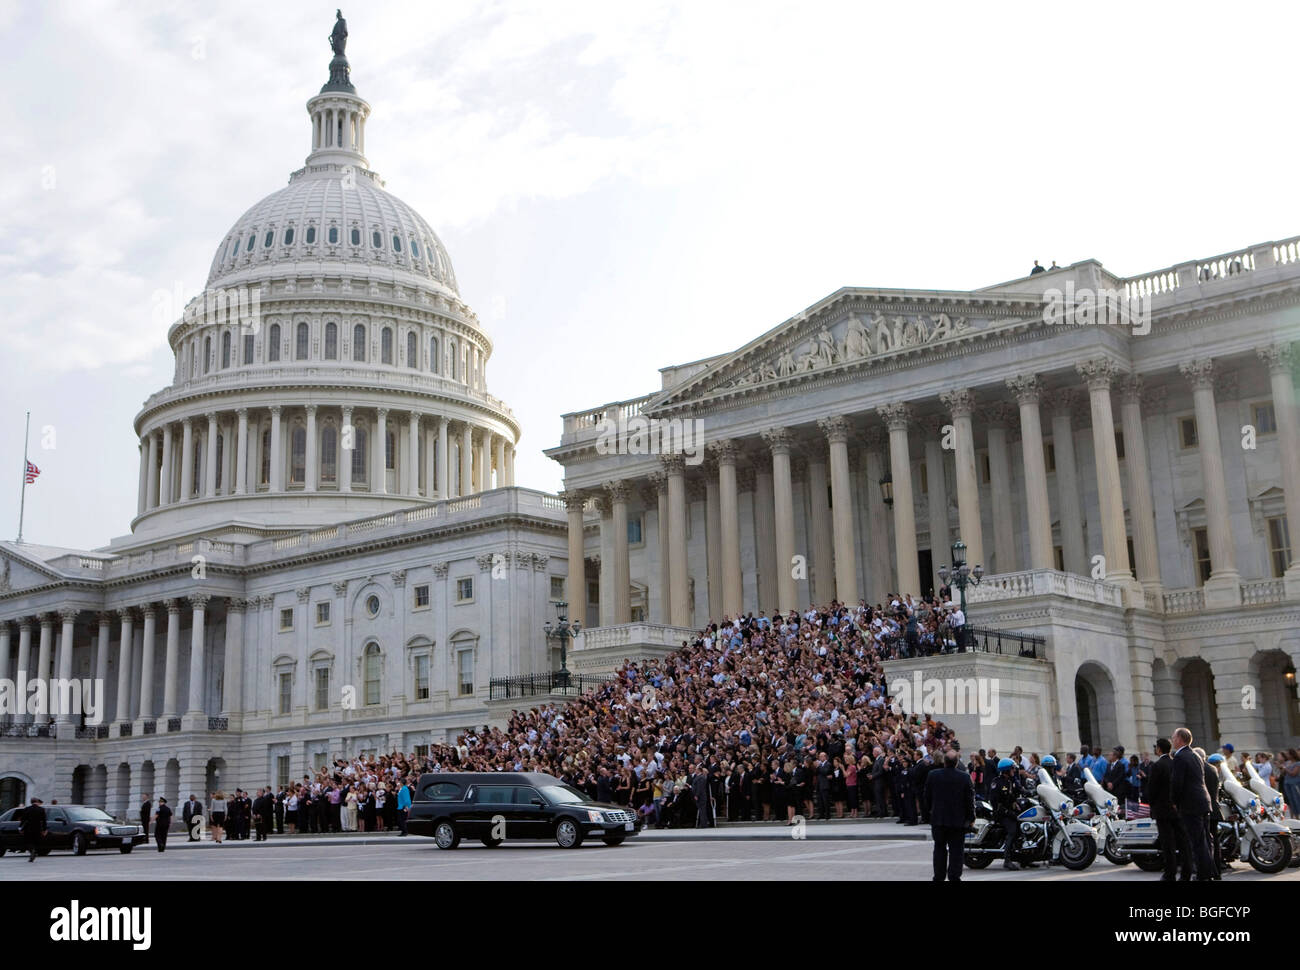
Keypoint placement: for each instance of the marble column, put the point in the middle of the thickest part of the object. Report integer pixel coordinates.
(23, 663)
(499, 445)
(430, 439)
(622, 574)
(151, 483)
(199, 603)
(467, 459)
(442, 458)
(311, 453)
(961, 403)
(165, 475)
(1100, 373)
(837, 429)
(6, 644)
(577, 582)
(187, 459)
(822, 587)
(764, 533)
(413, 454)
(44, 657)
(241, 454)
(485, 461)
(712, 534)
(936, 497)
(725, 452)
(232, 681)
(125, 652)
(780, 441)
(142, 491)
(69, 618)
(380, 485)
(147, 648)
(897, 417)
(1223, 588)
(347, 446)
(104, 621)
(277, 450)
(210, 462)
(999, 416)
(1142, 510)
(1281, 361)
(171, 668)
(678, 567)
(510, 465)
(660, 482)
(228, 454)
(1028, 391)
(1069, 505)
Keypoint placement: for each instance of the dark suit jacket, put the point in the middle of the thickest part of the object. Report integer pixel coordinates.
(949, 798)
(1159, 788)
(1212, 787)
(189, 812)
(1188, 784)
(33, 823)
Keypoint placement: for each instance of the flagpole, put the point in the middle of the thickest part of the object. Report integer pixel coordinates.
(22, 502)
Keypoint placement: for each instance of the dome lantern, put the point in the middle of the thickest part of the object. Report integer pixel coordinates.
(338, 115)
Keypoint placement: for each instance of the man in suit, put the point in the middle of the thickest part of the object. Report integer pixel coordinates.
(1163, 810)
(1193, 803)
(33, 828)
(703, 804)
(263, 810)
(279, 811)
(1212, 820)
(190, 813)
(950, 804)
(825, 771)
(146, 813)
(162, 822)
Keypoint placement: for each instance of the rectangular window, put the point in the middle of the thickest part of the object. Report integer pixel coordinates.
(286, 692)
(1119, 445)
(465, 669)
(593, 593)
(265, 477)
(634, 531)
(1264, 418)
(322, 613)
(1058, 555)
(1201, 548)
(464, 589)
(557, 589)
(329, 456)
(248, 348)
(1279, 544)
(422, 677)
(1049, 456)
(322, 688)
(421, 596)
(1187, 433)
(985, 476)
(925, 479)
(422, 751)
(282, 771)
(1132, 559)
(286, 618)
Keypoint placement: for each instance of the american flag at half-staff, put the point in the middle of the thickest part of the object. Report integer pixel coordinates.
(30, 472)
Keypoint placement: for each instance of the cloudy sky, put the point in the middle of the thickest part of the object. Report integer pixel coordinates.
(621, 185)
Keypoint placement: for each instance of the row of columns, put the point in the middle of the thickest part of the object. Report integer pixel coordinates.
(479, 451)
(833, 530)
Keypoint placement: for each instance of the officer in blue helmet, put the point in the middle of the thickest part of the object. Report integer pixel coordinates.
(1003, 794)
(1053, 772)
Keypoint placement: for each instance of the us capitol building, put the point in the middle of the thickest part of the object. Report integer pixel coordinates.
(330, 555)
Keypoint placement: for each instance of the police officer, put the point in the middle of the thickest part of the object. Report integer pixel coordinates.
(1053, 772)
(1003, 793)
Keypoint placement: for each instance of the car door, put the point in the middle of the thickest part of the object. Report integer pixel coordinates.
(528, 819)
(56, 823)
(487, 802)
(10, 837)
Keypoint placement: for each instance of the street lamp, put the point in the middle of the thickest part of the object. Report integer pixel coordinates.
(561, 630)
(962, 575)
(887, 489)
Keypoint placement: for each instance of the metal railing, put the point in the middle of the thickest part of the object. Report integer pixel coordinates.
(173, 724)
(150, 727)
(127, 730)
(972, 639)
(218, 724)
(540, 685)
(29, 731)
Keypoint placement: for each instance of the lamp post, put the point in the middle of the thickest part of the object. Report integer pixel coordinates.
(562, 630)
(962, 575)
(887, 489)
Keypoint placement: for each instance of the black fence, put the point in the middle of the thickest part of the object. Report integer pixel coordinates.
(540, 685)
(150, 727)
(126, 730)
(29, 731)
(173, 724)
(218, 724)
(971, 639)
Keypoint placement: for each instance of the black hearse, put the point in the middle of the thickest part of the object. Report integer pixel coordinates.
(494, 806)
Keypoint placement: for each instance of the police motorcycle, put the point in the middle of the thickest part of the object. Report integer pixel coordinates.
(1049, 825)
(1265, 844)
(1101, 811)
(1274, 806)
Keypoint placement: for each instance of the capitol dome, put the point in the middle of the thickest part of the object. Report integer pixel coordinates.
(330, 370)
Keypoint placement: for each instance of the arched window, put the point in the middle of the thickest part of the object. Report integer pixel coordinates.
(288, 236)
(252, 241)
(434, 363)
(412, 350)
(415, 248)
(452, 370)
(225, 350)
(373, 666)
(302, 342)
(273, 343)
(221, 451)
(265, 477)
(196, 467)
(248, 348)
(207, 353)
(334, 235)
(331, 341)
(386, 346)
(298, 456)
(356, 236)
(376, 240)
(359, 342)
(329, 454)
(397, 243)
(311, 235)
(359, 455)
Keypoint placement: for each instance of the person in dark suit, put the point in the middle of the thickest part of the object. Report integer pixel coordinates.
(263, 811)
(604, 786)
(703, 806)
(162, 822)
(949, 801)
(190, 811)
(879, 783)
(1163, 810)
(1216, 814)
(825, 771)
(33, 828)
(1193, 803)
(146, 814)
(279, 811)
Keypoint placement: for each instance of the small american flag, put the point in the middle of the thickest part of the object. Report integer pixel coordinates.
(1137, 809)
(32, 473)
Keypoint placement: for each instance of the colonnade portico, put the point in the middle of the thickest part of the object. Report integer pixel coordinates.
(319, 448)
(1020, 503)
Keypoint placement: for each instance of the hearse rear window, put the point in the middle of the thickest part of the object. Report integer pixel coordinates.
(441, 791)
(491, 795)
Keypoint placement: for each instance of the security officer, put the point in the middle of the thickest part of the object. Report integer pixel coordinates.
(1216, 813)
(1049, 765)
(1003, 793)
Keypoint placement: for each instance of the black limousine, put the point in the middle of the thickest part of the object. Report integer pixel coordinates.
(494, 806)
(75, 827)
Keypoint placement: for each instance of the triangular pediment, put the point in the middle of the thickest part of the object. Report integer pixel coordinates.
(853, 329)
(18, 573)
